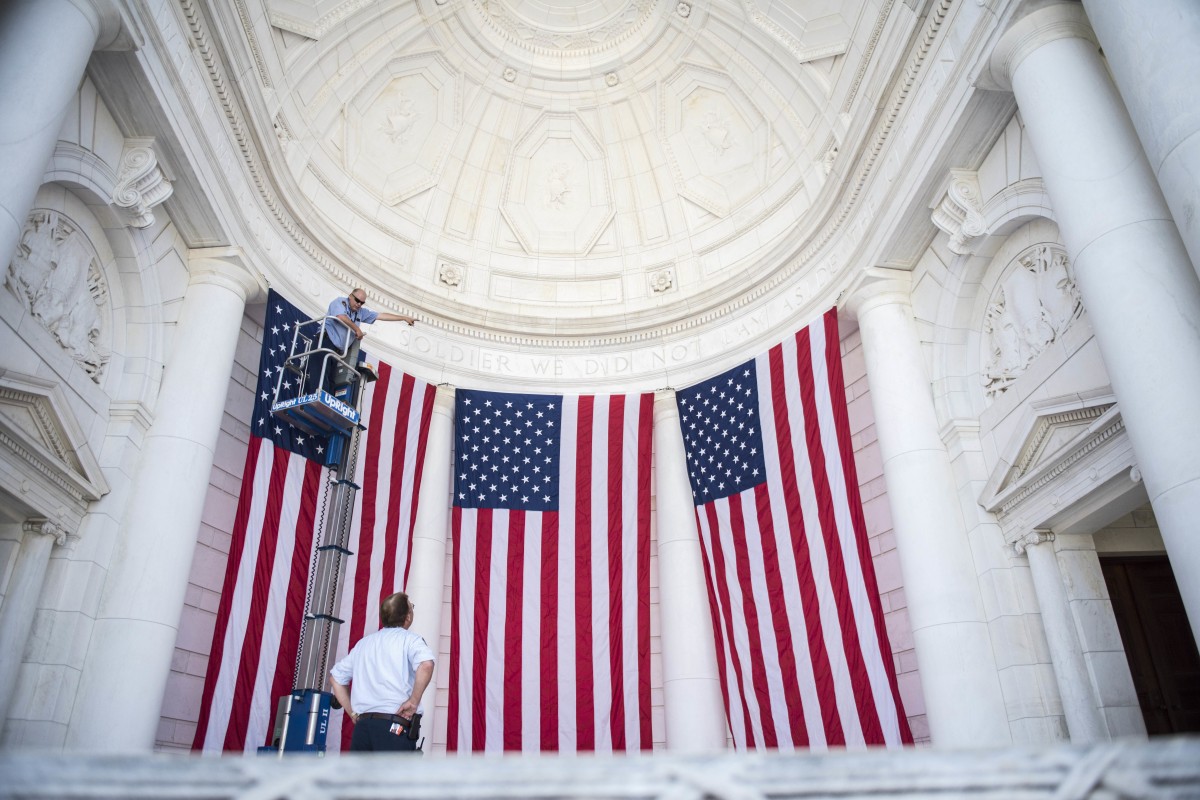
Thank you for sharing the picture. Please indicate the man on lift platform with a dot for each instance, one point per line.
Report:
(351, 314)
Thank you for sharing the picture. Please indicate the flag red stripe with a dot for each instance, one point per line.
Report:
(365, 547)
(293, 621)
(837, 391)
(642, 498)
(454, 701)
(781, 624)
(722, 591)
(479, 661)
(710, 582)
(585, 708)
(247, 666)
(513, 624)
(396, 480)
(237, 546)
(548, 634)
(616, 570)
(758, 671)
(860, 680)
(818, 654)
(430, 393)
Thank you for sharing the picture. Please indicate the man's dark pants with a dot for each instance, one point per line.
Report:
(373, 735)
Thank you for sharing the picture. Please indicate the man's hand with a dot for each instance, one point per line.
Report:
(358, 332)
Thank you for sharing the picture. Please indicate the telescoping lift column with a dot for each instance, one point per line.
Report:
(326, 404)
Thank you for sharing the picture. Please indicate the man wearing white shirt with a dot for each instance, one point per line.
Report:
(380, 682)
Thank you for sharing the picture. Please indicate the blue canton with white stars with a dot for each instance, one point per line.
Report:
(722, 435)
(279, 327)
(507, 450)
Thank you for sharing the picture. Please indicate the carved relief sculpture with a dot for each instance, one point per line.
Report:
(1032, 307)
(56, 274)
(558, 186)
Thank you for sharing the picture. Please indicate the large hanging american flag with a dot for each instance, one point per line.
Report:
(802, 653)
(259, 618)
(550, 586)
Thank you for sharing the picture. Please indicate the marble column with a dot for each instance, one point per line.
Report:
(38, 537)
(1137, 282)
(958, 671)
(1084, 720)
(133, 639)
(427, 574)
(1151, 48)
(44, 47)
(692, 704)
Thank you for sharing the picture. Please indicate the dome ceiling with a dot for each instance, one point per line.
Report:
(549, 167)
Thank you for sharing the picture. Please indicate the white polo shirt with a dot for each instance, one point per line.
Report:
(380, 669)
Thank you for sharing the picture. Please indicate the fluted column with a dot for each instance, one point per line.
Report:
(1151, 47)
(38, 538)
(133, 639)
(1135, 277)
(44, 47)
(958, 670)
(426, 577)
(694, 711)
(1084, 720)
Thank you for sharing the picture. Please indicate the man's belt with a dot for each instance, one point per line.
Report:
(389, 717)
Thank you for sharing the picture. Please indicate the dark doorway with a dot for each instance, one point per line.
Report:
(1158, 641)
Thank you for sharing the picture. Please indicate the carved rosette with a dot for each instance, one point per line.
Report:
(451, 275)
(56, 274)
(141, 183)
(1033, 304)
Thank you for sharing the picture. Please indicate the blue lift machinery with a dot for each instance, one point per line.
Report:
(326, 390)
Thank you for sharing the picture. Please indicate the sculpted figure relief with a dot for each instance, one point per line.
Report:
(1035, 303)
(558, 186)
(400, 119)
(57, 277)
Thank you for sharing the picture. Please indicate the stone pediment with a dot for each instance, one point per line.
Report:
(1068, 453)
(46, 460)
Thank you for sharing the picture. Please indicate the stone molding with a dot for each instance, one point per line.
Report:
(44, 457)
(141, 182)
(1069, 452)
(1060, 21)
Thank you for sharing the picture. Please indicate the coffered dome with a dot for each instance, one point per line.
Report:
(549, 167)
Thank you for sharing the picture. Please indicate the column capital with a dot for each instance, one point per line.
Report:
(113, 31)
(878, 286)
(47, 527)
(1060, 21)
(1034, 537)
(227, 267)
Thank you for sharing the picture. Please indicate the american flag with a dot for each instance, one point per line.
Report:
(802, 653)
(550, 586)
(260, 614)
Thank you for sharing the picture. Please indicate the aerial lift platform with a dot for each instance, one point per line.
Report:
(322, 397)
